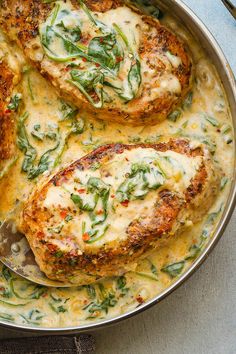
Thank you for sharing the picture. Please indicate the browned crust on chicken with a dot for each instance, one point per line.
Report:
(7, 124)
(21, 19)
(143, 235)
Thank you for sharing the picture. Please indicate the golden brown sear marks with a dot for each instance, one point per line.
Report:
(21, 20)
(7, 123)
(166, 219)
(100, 6)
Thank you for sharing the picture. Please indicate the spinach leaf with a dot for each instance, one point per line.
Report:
(173, 116)
(73, 34)
(57, 309)
(99, 215)
(106, 51)
(173, 270)
(96, 185)
(43, 164)
(194, 251)
(96, 307)
(141, 179)
(38, 292)
(67, 111)
(30, 152)
(7, 317)
(6, 273)
(76, 127)
(90, 290)
(95, 235)
(214, 122)
(33, 317)
(15, 102)
(121, 282)
(24, 145)
(48, 1)
(134, 80)
(84, 204)
(90, 83)
(188, 101)
(38, 135)
(72, 50)
(223, 182)
(100, 25)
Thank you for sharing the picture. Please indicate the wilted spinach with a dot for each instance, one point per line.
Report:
(24, 145)
(90, 83)
(174, 269)
(15, 102)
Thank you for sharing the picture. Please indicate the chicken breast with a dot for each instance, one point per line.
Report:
(106, 57)
(100, 215)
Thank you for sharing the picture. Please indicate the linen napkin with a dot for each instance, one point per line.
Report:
(83, 344)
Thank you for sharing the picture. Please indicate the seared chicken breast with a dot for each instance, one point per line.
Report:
(106, 57)
(100, 215)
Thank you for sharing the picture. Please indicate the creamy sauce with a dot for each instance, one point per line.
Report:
(205, 118)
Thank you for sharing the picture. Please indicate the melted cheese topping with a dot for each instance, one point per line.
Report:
(114, 296)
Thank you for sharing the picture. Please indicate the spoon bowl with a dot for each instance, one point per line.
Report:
(17, 255)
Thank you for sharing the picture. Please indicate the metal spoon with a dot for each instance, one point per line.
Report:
(16, 254)
(232, 9)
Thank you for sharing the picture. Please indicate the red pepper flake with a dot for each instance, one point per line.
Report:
(84, 40)
(7, 111)
(52, 248)
(63, 214)
(125, 203)
(101, 39)
(67, 69)
(119, 59)
(127, 159)
(86, 236)
(113, 196)
(140, 299)
(81, 191)
(99, 212)
(84, 59)
(40, 234)
(97, 65)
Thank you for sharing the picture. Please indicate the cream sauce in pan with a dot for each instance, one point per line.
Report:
(204, 117)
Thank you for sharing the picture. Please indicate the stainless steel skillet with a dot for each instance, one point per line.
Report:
(191, 21)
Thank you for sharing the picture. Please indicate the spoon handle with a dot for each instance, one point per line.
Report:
(232, 9)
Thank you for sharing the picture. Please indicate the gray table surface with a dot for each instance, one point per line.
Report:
(200, 317)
